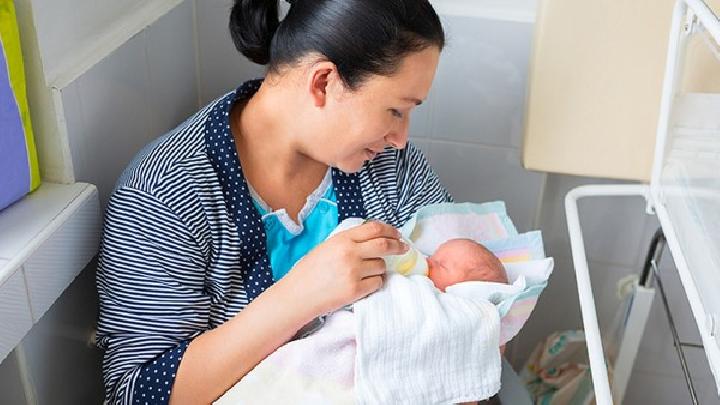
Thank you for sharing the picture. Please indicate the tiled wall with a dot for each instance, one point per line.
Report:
(471, 125)
(145, 88)
(81, 20)
(221, 67)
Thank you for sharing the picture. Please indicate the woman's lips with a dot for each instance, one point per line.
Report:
(371, 154)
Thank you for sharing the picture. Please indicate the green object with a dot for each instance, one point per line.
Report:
(19, 170)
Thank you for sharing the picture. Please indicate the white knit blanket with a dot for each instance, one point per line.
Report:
(408, 343)
(417, 345)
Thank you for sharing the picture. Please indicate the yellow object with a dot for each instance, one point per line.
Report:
(10, 42)
(412, 262)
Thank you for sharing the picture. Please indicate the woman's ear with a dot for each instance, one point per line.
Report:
(323, 82)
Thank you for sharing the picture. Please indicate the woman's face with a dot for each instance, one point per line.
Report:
(357, 125)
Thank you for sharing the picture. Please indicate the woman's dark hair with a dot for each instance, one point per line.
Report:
(361, 37)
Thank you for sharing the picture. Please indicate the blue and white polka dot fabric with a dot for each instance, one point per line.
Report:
(155, 380)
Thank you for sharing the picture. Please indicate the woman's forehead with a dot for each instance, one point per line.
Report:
(411, 82)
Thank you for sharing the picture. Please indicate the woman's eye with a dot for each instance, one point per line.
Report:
(396, 113)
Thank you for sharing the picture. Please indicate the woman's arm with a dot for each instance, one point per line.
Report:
(336, 273)
(217, 359)
(151, 287)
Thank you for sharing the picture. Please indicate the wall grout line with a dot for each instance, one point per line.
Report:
(540, 200)
(465, 143)
(196, 53)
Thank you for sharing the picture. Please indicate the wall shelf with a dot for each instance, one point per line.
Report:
(46, 239)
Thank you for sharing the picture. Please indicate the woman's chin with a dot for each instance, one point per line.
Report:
(351, 166)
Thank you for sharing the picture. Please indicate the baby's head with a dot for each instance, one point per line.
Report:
(460, 260)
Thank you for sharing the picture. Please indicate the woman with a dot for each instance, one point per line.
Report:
(200, 276)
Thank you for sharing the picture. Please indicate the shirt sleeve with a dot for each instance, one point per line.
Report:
(418, 183)
(150, 281)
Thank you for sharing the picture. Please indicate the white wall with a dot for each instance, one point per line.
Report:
(62, 24)
(471, 125)
(63, 366)
(222, 68)
(143, 89)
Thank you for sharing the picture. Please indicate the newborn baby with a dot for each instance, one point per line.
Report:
(454, 261)
(460, 260)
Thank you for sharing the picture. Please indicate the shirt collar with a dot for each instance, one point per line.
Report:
(222, 152)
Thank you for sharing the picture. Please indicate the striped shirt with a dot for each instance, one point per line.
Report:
(183, 247)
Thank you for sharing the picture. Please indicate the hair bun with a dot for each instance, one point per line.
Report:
(252, 26)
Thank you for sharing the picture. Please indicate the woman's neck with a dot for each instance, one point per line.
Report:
(266, 132)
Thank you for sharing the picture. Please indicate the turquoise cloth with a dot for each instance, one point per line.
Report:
(285, 247)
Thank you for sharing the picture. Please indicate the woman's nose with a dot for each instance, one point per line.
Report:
(398, 137)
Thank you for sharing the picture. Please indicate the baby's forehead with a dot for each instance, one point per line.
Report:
(467, 253)
(465, 247)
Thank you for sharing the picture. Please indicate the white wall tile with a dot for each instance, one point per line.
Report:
(421, 118)
(64, 25)
(173, 81)
(142, 90)
(11, 390)
(479, 174)
(222, 67)
(58, 346)
(69, 248)
(480, 85)
(115, 115)
(15, 315)
(75, 125)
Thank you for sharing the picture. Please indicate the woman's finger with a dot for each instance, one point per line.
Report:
(373, 230)
(372, 267)
(369, 285)
(381, 247)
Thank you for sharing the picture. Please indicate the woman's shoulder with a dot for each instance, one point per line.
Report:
(179, 152)
(399, 182)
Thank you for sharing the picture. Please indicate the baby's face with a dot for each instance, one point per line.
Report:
(460, 260)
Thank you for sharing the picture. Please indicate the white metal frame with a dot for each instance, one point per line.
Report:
(690, 10)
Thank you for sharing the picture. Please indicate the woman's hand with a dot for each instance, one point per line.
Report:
(339, 271)
(346, 267)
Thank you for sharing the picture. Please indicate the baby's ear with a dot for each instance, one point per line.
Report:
(432, 266)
